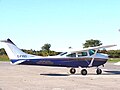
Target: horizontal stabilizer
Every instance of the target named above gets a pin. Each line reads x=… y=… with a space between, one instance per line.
x=18 y=62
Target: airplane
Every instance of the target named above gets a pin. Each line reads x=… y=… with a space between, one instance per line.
x=85 y=58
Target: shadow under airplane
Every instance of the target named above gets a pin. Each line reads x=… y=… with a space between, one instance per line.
x=52 y=74
x=113 y=72
x=107 y=73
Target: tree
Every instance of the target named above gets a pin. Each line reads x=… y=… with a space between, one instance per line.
x=46 y=47
x=92 y=43
x=2 y=51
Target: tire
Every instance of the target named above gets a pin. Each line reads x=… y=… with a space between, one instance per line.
x=99 y=71
x=84 y=72
x=72 y=71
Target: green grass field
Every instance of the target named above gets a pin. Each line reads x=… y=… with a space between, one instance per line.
x=5 y=58
x=114 y=60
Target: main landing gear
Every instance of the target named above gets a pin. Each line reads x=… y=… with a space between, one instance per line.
x=84 y=71
x=72 y=70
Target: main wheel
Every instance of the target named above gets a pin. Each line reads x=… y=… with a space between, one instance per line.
x=84 y=72
x=72 y=71
x=98 y=71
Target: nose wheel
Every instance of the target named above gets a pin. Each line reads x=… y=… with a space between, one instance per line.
x=99 y=71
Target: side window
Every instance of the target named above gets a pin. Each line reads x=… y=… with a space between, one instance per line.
x=91 y=52
x=63 y=53
x=71 y=55
x=82 y=54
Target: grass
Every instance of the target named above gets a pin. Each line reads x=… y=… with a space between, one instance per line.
x=5 y=58
x=114 y=60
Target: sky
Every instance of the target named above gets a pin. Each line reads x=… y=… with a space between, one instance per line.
x=62 y=23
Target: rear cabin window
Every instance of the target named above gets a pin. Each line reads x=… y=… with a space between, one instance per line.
x=71 y=55
x=63 y=53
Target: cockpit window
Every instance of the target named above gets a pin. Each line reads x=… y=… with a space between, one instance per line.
x=63 y=53
x=91 y=52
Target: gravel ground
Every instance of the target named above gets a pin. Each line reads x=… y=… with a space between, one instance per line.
x=25 y=77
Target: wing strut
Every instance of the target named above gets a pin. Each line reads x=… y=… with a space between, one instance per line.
x=93 y=58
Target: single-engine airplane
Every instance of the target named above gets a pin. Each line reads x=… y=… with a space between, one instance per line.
x=85 y=58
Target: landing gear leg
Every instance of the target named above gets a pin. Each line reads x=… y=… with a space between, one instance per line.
x=99 y=71
x=84 y=72
x=72 y=71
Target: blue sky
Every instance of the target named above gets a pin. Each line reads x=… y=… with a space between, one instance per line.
x=62 y=23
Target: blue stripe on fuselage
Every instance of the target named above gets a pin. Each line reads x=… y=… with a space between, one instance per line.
x=60 y=62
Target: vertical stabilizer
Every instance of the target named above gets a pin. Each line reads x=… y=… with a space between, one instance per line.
x=13 y=51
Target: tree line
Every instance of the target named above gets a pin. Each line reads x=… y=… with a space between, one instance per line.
x=45 y=49
x=111 y=53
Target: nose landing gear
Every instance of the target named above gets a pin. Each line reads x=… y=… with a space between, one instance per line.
x=98 y=71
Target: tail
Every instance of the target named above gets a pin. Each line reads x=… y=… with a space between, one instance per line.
x=16 y=55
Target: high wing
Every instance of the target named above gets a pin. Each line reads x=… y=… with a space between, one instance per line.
x=95 y=48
